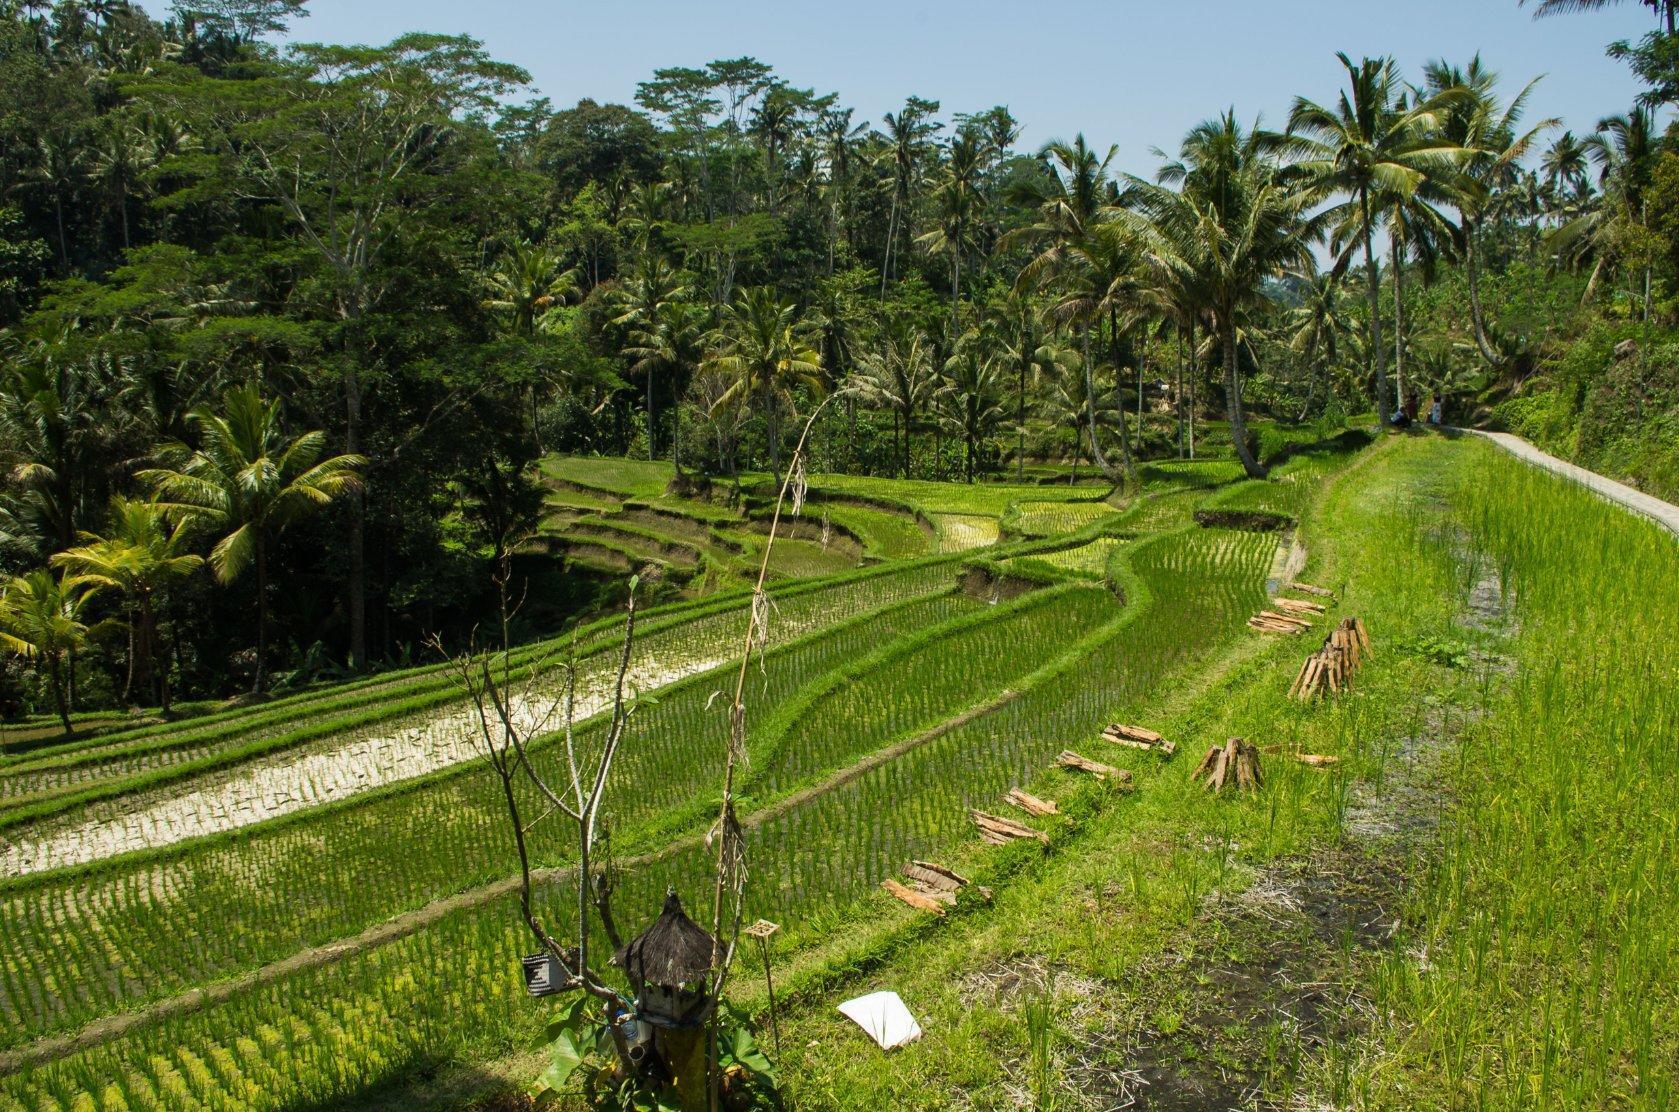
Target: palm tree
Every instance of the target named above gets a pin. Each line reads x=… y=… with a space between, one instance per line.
x=1419 y=231
x=972 y=403
x=1072 y=199
x=139 y=556
x=1234 y=224
x=639 y=303
x=529 y=281
x=1027 y=343
x=1486 y=129
x=959 y=202
x=908 y=133
x=899 y=375
x=40 y=620
x=1103 y=281
x=1624 y=147
x=1666 y=10
x=839 y=139
x=1316 y=327
x=1371 y=143
x=1564 y=167
x=247 y=481
x=673 y=338
x=764 y=345
x=1068 y=405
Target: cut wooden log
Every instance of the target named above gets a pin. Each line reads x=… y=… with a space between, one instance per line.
x=1031 y=804
x=918 y=900
x=1298 y=606
x=1070 y=759
x=1138 y=737
x=1000 y=831
x=934 y=877
x=1307 y=588
x=1233 y=764
x=1265 y=626
x=1317 y=760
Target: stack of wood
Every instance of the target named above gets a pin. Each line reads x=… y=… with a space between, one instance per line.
x=1272 y=621
x=1235 y=763
x=1071 y=760
x=1139 y=738
x=1031 y=804
x=1000 y=831
x=1308 y=589
x=931 y=887
x=1330 y=669
x=1300 y=608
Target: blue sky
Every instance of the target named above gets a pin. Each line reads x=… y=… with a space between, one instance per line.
x=1124 y=72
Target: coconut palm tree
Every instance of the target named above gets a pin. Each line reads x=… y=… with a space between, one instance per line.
x=971 y=404
x=1028 y=343
x=640 y=303
x=246 y=481
x=40 y=620
x=1565 y=168
x=140 y=555
x=1666 y=10
x=1104 y=281
x=673 y=339
x=1371 y=142
x=899 y=374
x=908 y=135
x=765 y=346
x=1316 y=327
x=1235 y=223
x=528 y=282
x=959 y=201
x=1472 y=118
x=1067 y=405
x=1072 y=199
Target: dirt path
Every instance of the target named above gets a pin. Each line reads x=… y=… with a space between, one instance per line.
x=1665 y=514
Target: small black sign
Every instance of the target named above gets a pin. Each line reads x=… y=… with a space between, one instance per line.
x=542 y=974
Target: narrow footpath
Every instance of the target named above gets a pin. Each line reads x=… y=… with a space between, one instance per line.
x=1665 y=514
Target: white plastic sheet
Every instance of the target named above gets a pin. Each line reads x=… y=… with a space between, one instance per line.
x=885 y=1018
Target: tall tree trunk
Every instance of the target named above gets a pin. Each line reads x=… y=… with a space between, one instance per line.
x=1194 y=373
x=1110 y=472
x=128 y=675
x=55 y=680
x=1233 y=401
x=1177 y=389
x=355 y=584
x=1398 y=319
x=1143 y=355
x=772 y=430
x=63 y=257
x=1020 y=450
x=1477 y=319
x=1127 y=462
x=652 y=416
x=1374 y=289
x=891 y=237
x=909 y=418
x=260 y=684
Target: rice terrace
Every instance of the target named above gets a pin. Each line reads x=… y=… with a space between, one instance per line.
x=730 y=595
